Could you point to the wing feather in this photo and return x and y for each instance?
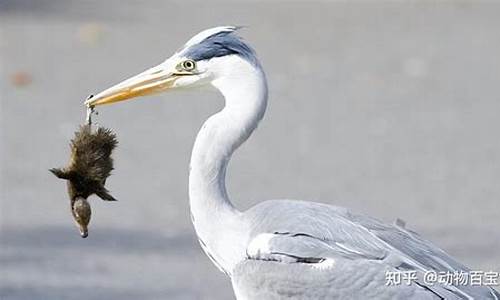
(314, 233)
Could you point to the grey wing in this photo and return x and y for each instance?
(331, 242)
(260, 279)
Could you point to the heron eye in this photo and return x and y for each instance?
(188, 65)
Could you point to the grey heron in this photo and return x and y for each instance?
(281, 248)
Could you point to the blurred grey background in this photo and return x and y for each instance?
(388, 108)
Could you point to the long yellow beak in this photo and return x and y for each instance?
(151, 81)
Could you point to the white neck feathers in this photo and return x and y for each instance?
(244, 88)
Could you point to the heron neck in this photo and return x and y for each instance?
(214, 216)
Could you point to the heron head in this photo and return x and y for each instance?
(206, 57)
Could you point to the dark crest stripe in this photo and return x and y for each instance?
(221, 44)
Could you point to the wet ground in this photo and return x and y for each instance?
(389, 109)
